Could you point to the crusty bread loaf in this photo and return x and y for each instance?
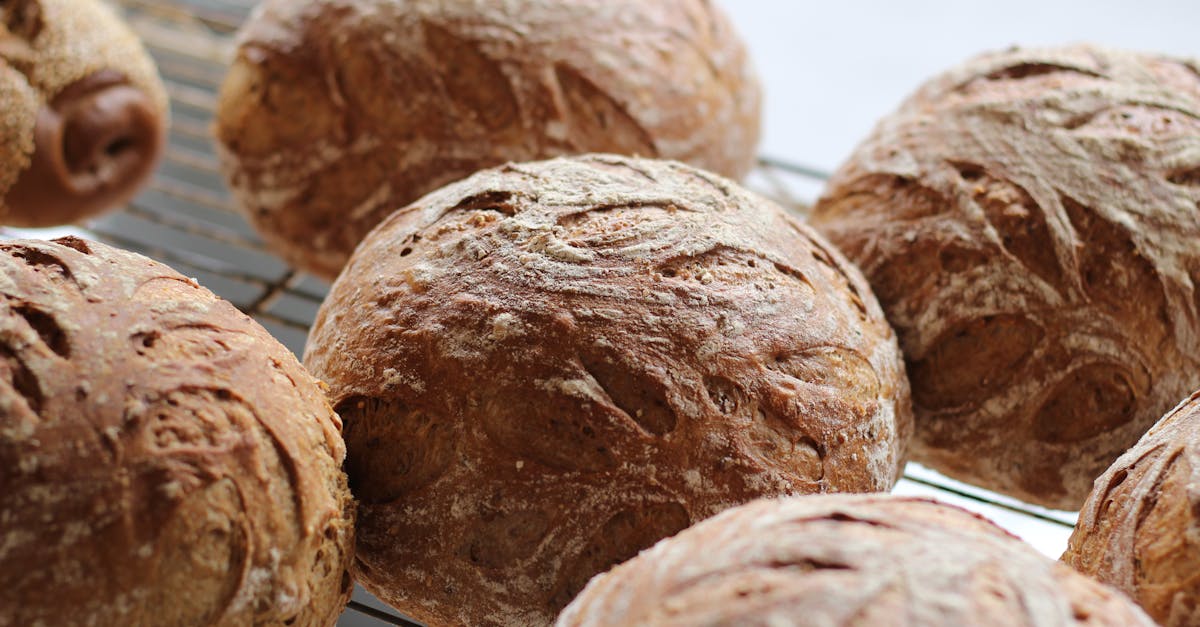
(1029, 223)
(1140, 528)
(338, 112)
(163, 460)
(82, 111)
(847, 561)
(549, 366)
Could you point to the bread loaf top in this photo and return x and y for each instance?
(338, 112)
(1140, 528)
(548, 366)
(1028, 221)
(166, 461)
(846, 561)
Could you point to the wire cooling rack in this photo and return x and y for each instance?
(186, 219)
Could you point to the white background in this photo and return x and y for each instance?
(832, 68)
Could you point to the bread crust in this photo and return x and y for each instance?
(45, 47)
(549, 366)
(1140, 528)
(163, 460)
(338, 112)
(847, 561)
(1028, 221)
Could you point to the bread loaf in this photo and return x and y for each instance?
(549, 366)
(847, 561)
(163, 460)
(338, 112)
(1140, 529)
(1029, 222)
(82, 111)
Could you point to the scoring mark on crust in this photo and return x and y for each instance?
(638, 394)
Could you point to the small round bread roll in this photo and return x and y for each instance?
(847, 561)
(337, 112)
(163, 460)
(82, 111)
(547, 367)
(1029, 222)
(1140, 528)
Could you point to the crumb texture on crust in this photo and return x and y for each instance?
(163, 460)
(47, 45)
(1029, 222)
(549, 366)
(337, 112)
(847, 561)
(1140, 529)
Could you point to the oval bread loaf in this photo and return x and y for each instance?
(163, 460)
(1029, 222)
(847, 561)
(547, 367)
(337, 112)
(83, 113)
(1140, 529)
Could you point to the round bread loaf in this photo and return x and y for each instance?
(547, 367)
(1029, 223)
(163, 460)
(82, 111)
(847, 561)
(337, 112)
(1140, 528)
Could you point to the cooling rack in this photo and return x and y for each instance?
(185, 218)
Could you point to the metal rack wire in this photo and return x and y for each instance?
(186, 219)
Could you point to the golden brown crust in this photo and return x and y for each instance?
(164, 460)
(1028, 221)
(847, 561)
(337, 112)
(1140, 528)
(548, 366)
(46, 46)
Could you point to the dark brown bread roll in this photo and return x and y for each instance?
(847, 561)
(163, 460)
(1029, 223)
(337, 112)
(1140, 528)
(82, 111)
(549, 366)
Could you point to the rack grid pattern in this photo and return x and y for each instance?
(186, 219)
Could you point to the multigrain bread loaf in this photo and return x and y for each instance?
(82, 111)
(1140, 528)
(1029, 222)
(338, 112)
(549, 366)
(163, 460)
(847, 561)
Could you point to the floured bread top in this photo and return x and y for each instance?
(1029, 222)
(1140, 528)
(548, 366)
(338, 112)
(847, 561)
(164, 460)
